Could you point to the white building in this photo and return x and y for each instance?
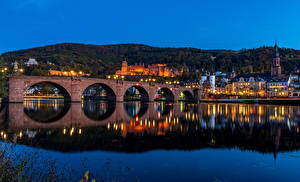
(278, 87)
(31, 62)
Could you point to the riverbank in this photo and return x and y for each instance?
(285, 101)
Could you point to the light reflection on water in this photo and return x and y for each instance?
(185, 130)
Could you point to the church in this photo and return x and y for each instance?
(278, 84)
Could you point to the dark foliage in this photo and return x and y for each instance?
(101, 60)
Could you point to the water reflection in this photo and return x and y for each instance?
(46, 110)
(98, 110)
(137, 126)
(163, 108)
(134, 109)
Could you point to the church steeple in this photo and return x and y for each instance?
(276, 52)
(275, 64)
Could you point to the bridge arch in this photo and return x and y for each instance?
(91, 92)
(186, 95)
(165, 94)
(143, 94)
(63, 91)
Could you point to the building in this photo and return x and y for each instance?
(31, 62)
(294, 87)
(153, 69)
(275, 64)
(208, 83)
(278, 87)
(248, 85)
(67, 73)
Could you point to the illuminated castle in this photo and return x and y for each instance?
(153, 69)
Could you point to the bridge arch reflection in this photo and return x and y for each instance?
(245, 125)
(46, 111)
(98, 111)
(135, 109)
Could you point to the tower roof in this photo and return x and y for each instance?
(276, 51)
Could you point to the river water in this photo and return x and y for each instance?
(160, 141)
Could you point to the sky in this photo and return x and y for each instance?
(209, 24)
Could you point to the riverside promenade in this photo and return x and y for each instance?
(287, 101)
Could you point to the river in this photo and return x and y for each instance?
(160, 141)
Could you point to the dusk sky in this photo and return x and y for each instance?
(209, 24)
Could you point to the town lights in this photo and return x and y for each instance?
(21, 70)
(108, 76)
(4, 70)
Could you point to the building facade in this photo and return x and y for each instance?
(153, 69)
(249, 85)
(278, 87)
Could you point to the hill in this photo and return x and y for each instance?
(106, 59)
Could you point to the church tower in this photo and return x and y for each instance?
(275, 64)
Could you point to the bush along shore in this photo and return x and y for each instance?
(22, 166)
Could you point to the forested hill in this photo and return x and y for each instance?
(106, 59)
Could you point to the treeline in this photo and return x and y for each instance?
(102, 60)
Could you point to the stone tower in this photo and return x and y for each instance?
(124, 66)
(16, 67)
(275, 64)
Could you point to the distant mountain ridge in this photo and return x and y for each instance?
(106, 59)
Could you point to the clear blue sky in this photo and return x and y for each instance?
(209, 24)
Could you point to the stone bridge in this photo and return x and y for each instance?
(73, 88)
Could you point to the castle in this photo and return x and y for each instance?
(153, 69)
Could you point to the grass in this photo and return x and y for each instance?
(22, 166)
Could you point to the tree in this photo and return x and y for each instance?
(3, 79)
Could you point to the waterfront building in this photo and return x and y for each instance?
(278, 87)
(208, 83)
(248, 85)
(220, 88)
(294, 89)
